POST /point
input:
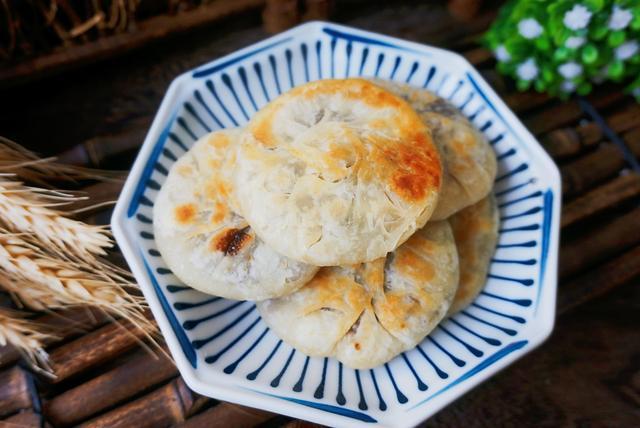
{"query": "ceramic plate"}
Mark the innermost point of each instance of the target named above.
(222, 347)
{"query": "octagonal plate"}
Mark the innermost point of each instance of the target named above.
(222, 347)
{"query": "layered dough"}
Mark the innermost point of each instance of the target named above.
(468, 161)
(203, 239)
(475, 229)
(337, 172)
(366, 314)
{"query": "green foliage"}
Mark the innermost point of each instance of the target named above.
(565, 46)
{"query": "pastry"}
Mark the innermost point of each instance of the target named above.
(337, 172)
(366, 314)
(475, 229)
(203, 239)
(468, 161)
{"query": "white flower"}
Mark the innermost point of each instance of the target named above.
(568, 86)
(575, 42)
(577, 18)
(502, 54)
(620, 18)
(529, 28)
(626, 50)
(570, 70)
(528, 70)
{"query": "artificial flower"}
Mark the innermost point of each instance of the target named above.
(626, 50)
(620, 18)
(528, 70)
(577, 18)
(575, 42)
(529, 28)
(570, 70)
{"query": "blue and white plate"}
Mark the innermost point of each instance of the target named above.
(222, 347)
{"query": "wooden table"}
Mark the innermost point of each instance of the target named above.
(586, 374)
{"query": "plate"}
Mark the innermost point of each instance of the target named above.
(222, 347)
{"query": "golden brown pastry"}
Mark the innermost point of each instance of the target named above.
(337, 172)
(468, 161)
(366, 314)
(202, 238)
(475, 229)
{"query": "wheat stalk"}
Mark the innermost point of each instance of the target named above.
(49, 261)
(30, 167)
(25, 336)
(40, 280)
(28, 209)
(27, 294)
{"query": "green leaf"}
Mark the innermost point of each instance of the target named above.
(594, 5)
(523, 85)
(518, 48)
(539, 85)
(616, 38)
(548, 75)
(616, 70)
(561, 35)
(598, 32)
(561, 54)
(564, 95)
(584, 88)
(599, 26)
(543, 43)
(503, 68)
(635, 22)
(589, 54)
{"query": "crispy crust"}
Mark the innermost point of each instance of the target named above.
(205, 242)
(476, 233)
(366, 314)
(468, 161)
(337, 172)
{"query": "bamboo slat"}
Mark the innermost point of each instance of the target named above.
(523, 101)
(625, 120)
(554, 117)
(591, 169)
(599, 281)
(632, 139)
(14, 390)
(566, 142)
(93, 349)
(600, 243)
(225, 415)
(67, 323)
(24, 419)
(163, 407)
(109, 389)
(601, 198)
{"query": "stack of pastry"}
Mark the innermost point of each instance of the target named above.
(357, 214)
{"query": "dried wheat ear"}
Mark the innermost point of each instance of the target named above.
(23, 163)
(32, 210)
(49, 261)
(24, 335)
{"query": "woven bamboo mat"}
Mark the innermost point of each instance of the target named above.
(105, 379)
